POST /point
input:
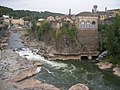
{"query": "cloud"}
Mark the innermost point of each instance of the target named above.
(60, 5)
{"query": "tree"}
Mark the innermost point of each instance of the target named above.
(113, 39)
(44, 27)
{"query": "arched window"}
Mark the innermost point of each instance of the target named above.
(82, 24)
(87, 24)
(93, 24)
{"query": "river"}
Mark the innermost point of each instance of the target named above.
(64, 74)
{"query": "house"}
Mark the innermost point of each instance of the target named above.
(107, 15)
(17, 21)
(104, 15)
(66, 19)
(56, 24)
(50, 18)
(87, 27)
(57, 17)
(6, 17)
(39, 22)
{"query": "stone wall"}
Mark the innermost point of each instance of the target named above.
(88, 39)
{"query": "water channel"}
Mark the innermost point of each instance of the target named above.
(64, 74)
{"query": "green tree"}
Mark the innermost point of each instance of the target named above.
(113, 39)
(44, 28)
(67, 30)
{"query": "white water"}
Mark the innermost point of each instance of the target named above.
(27, 53)
(38, 69)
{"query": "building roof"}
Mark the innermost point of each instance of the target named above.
(104, 13)
(86, 14)
(109, 19)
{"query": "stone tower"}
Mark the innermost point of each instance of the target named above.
(69, 12)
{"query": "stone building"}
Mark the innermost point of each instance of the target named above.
(39, 22)
(17, 21)
(56, 24)
(14, 21)
(87, 27)
(107, 15)
(104, 15)
(50, 18)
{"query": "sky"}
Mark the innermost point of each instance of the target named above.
(60, 6)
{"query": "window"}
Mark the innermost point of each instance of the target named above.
(93, 24)
(82, 24)
(88, 24)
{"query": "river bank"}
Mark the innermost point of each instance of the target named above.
(16, 73)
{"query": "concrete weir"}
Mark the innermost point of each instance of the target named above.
(74, 56)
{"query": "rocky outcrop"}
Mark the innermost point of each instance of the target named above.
(104, 65)
(17, 71)
(26, 74)
(79, 87)
(34, 85)
(11, 64)
(116, 71)
(37, 63)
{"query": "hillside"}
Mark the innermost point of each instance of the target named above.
(26, 14)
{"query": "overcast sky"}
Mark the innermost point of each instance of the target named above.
(61, 6)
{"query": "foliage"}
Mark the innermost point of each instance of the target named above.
(5, 10)
(102, 28)
(112, 40)
(67, 30)
(26, 14)
(44, 27)
(33, 27)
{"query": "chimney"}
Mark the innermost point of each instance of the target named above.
(69, 12)
(105, 9)
(92, 10)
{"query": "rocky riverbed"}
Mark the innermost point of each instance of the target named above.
(107, 65)
(16, 73)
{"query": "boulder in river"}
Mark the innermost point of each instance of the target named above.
(116, 71)
(25, 74)
(34, 85)
(79, 87)
(37, 63)
(104, 65)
